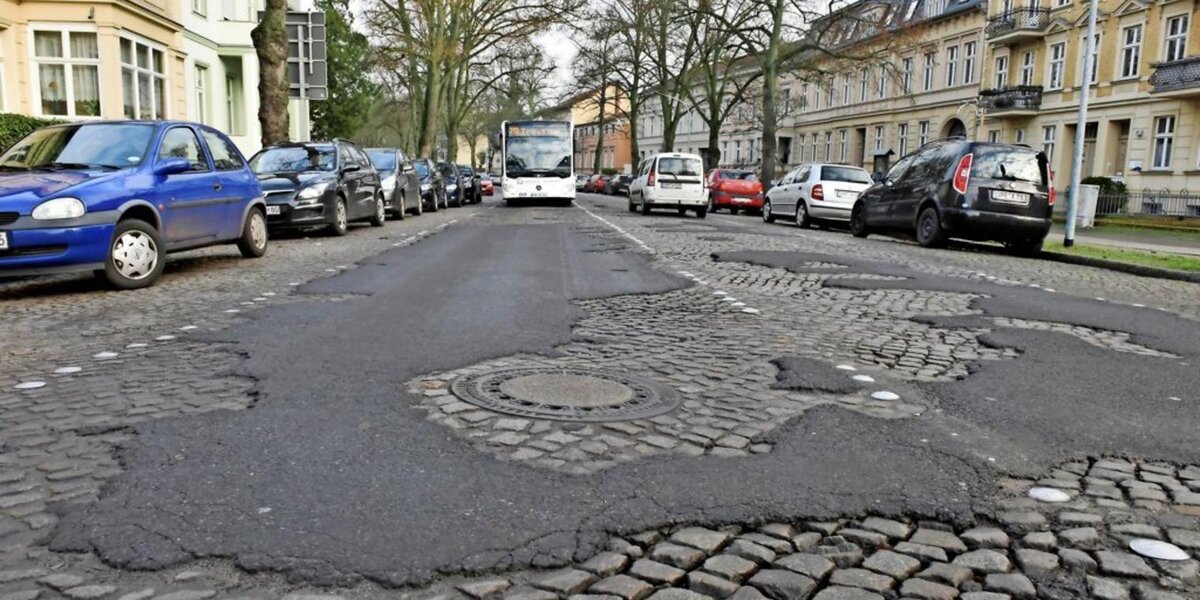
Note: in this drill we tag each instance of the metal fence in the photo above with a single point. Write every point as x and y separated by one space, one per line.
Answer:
1166 203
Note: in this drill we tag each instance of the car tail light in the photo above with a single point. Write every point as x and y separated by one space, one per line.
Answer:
962 174
818 192
1050 183
650 179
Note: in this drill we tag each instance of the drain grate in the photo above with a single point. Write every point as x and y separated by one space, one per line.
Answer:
565 394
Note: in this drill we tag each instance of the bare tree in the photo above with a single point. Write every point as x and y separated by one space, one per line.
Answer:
672 36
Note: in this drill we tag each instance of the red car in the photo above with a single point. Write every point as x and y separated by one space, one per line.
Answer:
486 185
595 184
734 190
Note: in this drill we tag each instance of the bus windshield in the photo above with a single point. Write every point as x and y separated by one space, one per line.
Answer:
537 149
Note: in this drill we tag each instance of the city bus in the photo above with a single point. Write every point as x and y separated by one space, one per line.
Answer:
537 161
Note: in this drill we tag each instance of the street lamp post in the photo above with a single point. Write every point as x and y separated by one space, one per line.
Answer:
1081 125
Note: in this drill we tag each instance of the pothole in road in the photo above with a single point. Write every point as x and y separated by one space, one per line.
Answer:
566 394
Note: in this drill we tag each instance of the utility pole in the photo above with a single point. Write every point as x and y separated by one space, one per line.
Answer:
1081 125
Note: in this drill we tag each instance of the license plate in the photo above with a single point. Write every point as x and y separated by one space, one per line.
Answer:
1010 197
672 186
272 211
3 241
847 194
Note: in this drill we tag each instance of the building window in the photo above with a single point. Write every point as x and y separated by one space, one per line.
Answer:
844 148
1001 72
1049 135
814 146
68 72
1164 136
804 97
951 66
200 7
994 136
969 62
1095 60
831 100
737 151
1020 136
930 62
1058 56
906 75
845 90
881 84
902 139
864 85
922 133
1177 30
1027 61
202 94
879 137
725 152
828 146
1062 3
1131 50
143 80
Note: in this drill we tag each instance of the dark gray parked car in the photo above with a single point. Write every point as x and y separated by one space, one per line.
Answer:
400 182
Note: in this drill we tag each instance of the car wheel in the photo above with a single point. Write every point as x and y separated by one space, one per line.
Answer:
341 224
380 216
767 215
1028 247
858 222
253 243
733 212
701 212
712 206
419 209
682 212
632 206
929 229
135 257
645 205
403 212
802 218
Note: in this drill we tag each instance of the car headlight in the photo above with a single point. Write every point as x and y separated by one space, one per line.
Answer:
59 208
425 187
450 187
388 182
313 192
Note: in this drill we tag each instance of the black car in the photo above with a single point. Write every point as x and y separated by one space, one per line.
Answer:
433 190
618 185
452 181
962 189
401 184
315 184
469 181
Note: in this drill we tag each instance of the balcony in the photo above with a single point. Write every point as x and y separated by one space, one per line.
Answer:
1017 24
1020 101
1176 78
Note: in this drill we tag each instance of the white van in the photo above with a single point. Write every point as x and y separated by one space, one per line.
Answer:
670 180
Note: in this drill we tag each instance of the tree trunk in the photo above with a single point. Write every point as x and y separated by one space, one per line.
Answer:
270 43
596 158
634 151
451 143
714 146
429 111
472 141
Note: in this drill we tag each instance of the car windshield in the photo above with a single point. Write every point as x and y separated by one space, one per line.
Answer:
675 165
421 167
94 146
1010 164
743 175
294 159
847 174
384 160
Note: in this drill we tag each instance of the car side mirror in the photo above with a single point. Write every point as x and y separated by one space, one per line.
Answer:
172 166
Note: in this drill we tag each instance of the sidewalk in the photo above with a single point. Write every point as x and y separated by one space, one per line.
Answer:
1149 240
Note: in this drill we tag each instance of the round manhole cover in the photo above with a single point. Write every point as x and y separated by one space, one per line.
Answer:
565 394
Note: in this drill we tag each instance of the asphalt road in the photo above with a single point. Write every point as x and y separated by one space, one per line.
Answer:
332 475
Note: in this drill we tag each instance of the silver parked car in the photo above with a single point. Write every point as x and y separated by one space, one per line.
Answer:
816 192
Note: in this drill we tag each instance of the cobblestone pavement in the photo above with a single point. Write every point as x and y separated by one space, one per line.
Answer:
83 366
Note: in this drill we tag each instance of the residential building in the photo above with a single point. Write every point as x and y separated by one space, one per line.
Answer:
1143 122
583 109
145 59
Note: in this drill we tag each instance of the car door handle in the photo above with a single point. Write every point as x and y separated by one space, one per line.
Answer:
217 186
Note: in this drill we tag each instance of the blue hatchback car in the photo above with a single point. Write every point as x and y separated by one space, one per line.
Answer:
114 197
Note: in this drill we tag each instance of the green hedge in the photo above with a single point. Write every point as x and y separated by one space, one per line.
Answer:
14 127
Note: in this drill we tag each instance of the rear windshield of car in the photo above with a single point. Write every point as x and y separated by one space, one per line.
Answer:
743 175
1009 164
846 174
384 160
294 159
421 167
683 167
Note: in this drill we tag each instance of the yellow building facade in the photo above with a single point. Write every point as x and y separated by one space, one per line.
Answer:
108 59
1143 124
